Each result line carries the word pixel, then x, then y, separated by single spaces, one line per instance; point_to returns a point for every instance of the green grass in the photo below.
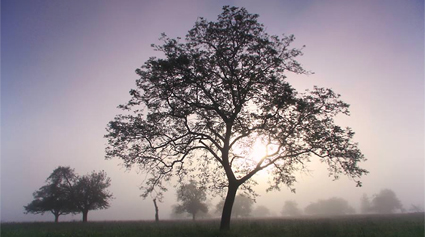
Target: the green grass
pixel 372 225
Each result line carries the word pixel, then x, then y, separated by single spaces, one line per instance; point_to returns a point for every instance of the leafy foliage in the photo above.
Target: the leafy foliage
pixel 55 196
pixel 196 112
pixel 192 198
pixel 90 192
pixel 67 193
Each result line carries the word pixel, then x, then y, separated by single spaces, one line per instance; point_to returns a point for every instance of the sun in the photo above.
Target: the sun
pixel 248 153
pixel 258 150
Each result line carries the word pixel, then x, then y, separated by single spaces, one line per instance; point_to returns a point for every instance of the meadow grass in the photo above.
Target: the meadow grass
pixel 356 225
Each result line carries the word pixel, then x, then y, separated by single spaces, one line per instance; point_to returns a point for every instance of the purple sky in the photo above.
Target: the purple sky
pixel 66 65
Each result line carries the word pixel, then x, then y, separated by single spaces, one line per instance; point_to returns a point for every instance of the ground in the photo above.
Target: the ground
pixel 410 225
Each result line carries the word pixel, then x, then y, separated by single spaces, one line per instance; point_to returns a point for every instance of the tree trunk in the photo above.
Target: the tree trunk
pixel 193 216
pixel 56 218
pixel 85 214
pixel 227 208
pixel 156 210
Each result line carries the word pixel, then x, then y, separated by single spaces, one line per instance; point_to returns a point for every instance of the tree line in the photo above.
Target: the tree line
pixel 66 192
pixel 192 201
pixel 384 202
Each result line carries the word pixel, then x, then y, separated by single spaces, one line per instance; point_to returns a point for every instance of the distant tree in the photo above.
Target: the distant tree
pixel 365 206
pixel 156 197
pixel 331 206
pixel 192 199
pixel 261 211
pixel 290 208
pixel 241 208
pixel 176 214
pixel 386 202
pixel 416 208
pixel 202 106
pixel 90 193
pixel 156 210
pixel 54 197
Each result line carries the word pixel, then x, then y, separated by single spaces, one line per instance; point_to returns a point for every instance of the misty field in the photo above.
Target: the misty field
pixel 356 225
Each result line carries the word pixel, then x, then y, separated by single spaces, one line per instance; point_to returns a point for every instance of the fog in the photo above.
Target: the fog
pixel 67 65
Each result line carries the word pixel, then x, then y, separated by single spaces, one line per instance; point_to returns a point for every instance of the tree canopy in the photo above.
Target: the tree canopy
pixel 55 196
pixel 90 192
pixel 197 111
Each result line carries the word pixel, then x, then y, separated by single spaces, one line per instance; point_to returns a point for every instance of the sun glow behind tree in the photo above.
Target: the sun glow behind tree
pixel 212 96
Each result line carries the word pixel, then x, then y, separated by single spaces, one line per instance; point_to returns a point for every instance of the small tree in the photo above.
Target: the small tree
pixel 193 199
pixel 202 106
pixel 331 206
pixel 290 208
pixel 89 193
pixel 156 197
pixel 54 197
pixel 386 202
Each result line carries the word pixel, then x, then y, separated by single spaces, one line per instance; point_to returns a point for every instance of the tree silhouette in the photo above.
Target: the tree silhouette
pixel 199 109
pixel 54 197
pixel 385 202
pixel 331 206
pixel 67 192
pixel 89 192
pixel 156 210
pixel 192 198
pixel 290 208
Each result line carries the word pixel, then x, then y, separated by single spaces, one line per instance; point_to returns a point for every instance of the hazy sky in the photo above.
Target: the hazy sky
pixel 66 65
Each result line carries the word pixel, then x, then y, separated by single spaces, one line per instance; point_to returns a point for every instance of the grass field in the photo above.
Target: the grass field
pixel 372 225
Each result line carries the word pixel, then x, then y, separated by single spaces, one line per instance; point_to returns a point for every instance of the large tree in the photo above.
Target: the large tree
pixel 55 196
pixel 199 109
pixel 90 192
pixel 192 199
